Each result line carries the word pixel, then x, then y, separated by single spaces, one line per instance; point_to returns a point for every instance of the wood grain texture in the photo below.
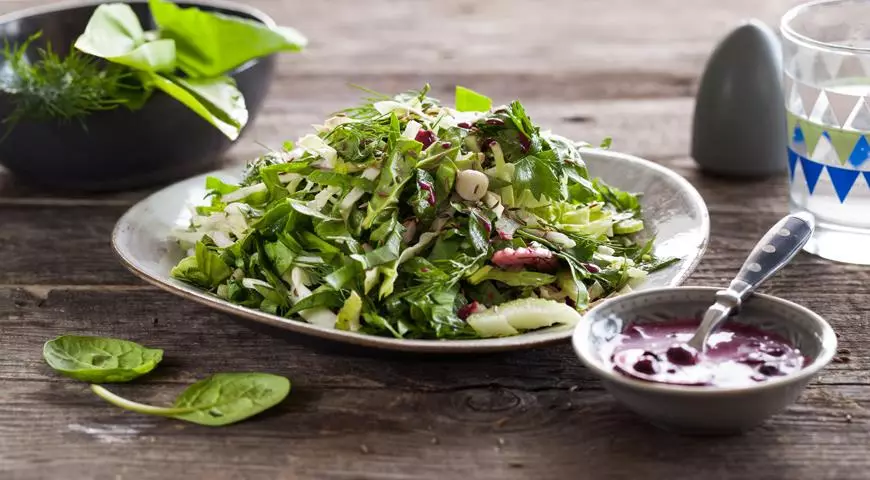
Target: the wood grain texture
pixel 551 416
pixel 620 68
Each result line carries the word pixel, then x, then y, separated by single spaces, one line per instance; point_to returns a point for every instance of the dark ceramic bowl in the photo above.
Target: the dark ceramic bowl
pixel 119 149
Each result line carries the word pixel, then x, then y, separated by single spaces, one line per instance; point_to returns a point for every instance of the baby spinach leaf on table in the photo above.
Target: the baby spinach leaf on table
pixel 114 33
pixel 100 360
pixel 221 399
pixel 210 44
pixel 468 100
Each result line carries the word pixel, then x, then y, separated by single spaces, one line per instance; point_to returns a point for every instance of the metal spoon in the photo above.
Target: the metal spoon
pixel 778 246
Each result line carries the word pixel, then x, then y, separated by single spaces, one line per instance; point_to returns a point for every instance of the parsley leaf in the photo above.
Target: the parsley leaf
pixel 540 174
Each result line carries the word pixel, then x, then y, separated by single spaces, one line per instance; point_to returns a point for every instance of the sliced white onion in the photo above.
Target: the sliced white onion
pixel 243 192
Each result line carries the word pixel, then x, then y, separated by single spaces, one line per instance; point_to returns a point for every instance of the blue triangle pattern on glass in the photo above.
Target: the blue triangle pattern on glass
pixel 860 152
pixel 843 179
pixel 797 135
pixel 867 177
pixel 792 160
pixel 812 170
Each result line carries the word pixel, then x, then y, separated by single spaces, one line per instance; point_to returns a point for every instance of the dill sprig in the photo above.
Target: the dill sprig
pixel 60 88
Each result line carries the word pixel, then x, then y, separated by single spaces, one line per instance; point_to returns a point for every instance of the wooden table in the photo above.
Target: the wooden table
pixel 624 68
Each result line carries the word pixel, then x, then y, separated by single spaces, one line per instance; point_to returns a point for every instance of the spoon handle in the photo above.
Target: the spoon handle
pixel 775 249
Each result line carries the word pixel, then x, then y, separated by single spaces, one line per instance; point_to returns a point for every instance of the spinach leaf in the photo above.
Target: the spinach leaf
pixel 211 44
pixel 478 233
pixel 221 399
pixel 322 299
pixel 394 175
pixel 280 255
pixel 216 185
pixel 206 268
pixel 623 200
pixel 523 278
pixel 323 177
pixel 468 100
pixel 114 33
pixel 100 360
pixel 217 100
pixel 424 198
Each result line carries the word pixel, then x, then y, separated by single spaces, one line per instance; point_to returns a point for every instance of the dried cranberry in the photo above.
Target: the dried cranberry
pixel 769 369
pixel 466 310
pixel 463 125
pixel 429 189
pixel 591 267
pixel 483 221
pixel 646 366
pixel 682 354
pixel 495 121
pixel 426 137
pixel 446 145
pixel 525 143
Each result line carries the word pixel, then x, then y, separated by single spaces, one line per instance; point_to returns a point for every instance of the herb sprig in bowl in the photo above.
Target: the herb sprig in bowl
pixel 127 94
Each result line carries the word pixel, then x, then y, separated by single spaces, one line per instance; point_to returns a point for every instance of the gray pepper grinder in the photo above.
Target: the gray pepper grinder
pixel 739 126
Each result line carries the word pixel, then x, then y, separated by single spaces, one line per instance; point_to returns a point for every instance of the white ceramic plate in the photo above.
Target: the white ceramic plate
pixel 673 211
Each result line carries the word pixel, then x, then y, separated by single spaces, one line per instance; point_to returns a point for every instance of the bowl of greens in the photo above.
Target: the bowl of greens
pixel 112 96
pixel 406 224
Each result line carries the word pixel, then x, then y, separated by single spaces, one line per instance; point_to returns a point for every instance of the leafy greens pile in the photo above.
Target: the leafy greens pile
pixel 116 62
pixel 405 218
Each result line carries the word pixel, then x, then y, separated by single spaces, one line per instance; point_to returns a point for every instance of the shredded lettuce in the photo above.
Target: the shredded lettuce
pixel 359 226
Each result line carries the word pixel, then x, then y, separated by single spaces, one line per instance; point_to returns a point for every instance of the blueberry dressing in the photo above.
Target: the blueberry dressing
pixel 737 355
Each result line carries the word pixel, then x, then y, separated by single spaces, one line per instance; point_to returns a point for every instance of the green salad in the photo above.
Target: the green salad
pixel 403 217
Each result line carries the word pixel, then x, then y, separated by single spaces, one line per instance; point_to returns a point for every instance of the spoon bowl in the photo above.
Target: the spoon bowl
pixel 698 409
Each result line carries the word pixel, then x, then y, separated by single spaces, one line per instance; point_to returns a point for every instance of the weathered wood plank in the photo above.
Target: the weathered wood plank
pixel 496 433
pixel 550 414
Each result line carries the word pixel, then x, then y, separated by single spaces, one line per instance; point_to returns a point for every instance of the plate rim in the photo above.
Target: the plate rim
pixel 485 345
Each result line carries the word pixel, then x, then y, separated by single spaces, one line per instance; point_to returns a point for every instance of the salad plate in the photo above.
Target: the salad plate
pixel 673 212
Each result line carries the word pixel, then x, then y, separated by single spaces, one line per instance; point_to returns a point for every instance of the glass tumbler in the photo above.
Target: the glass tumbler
pixel 826 83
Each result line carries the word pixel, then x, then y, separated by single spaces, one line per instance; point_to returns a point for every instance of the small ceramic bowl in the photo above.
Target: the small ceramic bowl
pixel 698 409
pixel 118 149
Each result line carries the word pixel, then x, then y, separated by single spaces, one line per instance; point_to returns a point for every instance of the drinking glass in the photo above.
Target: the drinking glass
pixel 826 83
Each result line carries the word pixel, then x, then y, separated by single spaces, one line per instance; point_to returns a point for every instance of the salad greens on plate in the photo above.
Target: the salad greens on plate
pixel 403 217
